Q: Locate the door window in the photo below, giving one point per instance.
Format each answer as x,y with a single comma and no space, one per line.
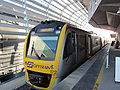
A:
69,45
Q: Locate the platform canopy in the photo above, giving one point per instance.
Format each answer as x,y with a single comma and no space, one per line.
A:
107,15
25,14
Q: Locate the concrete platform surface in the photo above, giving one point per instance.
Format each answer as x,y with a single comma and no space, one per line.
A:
108,77
84,78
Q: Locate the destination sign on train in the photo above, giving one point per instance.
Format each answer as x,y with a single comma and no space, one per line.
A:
46,30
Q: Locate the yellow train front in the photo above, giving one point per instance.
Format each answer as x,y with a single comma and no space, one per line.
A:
54,49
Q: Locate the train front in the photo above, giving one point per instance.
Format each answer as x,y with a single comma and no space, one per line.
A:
42,54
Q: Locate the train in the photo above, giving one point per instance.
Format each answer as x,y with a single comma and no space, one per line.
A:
53,49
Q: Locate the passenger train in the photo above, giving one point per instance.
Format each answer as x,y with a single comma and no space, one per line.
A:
53,49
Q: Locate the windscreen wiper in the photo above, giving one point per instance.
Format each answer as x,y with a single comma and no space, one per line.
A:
36,54
33,49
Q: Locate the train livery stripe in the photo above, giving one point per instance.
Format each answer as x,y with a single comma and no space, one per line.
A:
25,44
59,47
60,44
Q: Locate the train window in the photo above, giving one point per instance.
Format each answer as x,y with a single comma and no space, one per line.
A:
69,45
89,45
81,47
42,47
81,42
96,41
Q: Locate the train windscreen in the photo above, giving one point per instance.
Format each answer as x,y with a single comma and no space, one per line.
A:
42,47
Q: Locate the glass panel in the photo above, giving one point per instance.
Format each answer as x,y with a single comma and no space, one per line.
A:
42,47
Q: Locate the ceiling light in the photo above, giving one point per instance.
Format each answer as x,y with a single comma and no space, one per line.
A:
118,11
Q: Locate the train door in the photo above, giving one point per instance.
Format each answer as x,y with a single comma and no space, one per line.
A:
81,51
69,54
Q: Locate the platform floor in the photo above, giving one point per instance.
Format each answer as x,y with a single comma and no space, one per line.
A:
108,77
98,76
88,81
13,84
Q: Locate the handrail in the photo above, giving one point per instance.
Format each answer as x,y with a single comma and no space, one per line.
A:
11,66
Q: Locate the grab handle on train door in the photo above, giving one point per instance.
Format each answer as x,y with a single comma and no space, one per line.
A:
67,58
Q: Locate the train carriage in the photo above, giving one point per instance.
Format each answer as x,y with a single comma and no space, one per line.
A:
53,49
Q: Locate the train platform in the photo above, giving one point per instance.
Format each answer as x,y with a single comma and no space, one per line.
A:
108,78
96,74
85,77
13,83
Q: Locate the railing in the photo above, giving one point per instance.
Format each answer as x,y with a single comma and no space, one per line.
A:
13,68
10,72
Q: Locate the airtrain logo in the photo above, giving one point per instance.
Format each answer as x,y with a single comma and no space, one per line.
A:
32,65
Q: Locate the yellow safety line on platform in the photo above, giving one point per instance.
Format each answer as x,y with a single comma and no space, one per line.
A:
12,83
97,84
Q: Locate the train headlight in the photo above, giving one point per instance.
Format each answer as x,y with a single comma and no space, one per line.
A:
52,66
57,32
30,64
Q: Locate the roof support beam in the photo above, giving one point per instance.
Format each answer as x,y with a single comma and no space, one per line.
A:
111,4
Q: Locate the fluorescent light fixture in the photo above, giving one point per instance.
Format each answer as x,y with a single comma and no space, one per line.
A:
118,11
0,5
